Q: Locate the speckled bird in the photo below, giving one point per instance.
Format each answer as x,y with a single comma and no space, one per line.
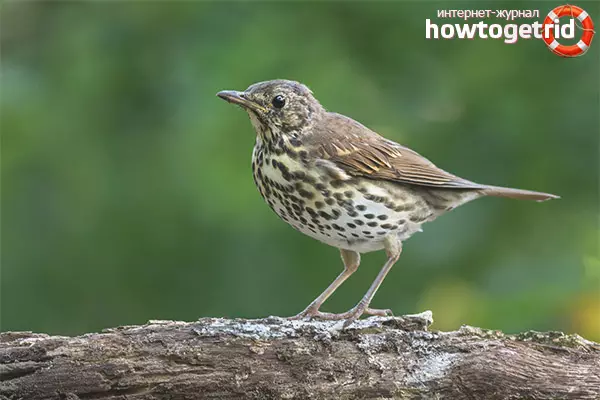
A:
339,182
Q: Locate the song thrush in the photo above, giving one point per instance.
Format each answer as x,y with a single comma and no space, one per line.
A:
339,182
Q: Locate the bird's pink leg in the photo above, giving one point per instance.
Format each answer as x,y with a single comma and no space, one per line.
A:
351,261
393,248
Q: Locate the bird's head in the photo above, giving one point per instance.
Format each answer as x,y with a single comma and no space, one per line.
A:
277,108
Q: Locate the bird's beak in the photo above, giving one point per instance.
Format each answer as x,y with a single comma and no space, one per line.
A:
235,97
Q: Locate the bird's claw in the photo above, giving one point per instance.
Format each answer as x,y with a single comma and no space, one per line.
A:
350,316
385,312
309,312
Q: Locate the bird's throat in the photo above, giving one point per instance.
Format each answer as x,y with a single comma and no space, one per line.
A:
262,129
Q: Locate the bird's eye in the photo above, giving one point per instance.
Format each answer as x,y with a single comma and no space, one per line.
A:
278,101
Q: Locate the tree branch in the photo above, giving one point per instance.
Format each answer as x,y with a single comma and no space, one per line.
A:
276,358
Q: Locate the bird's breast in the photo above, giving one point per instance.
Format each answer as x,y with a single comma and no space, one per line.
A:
354,214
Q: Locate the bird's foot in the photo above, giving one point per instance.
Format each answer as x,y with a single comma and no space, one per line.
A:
350,316
309,312
381,312
360,310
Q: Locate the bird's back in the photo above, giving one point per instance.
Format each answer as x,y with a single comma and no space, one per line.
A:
359,151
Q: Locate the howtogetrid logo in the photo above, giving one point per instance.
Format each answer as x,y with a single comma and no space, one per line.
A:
550,31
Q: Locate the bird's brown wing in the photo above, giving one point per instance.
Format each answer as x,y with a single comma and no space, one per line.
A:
359,151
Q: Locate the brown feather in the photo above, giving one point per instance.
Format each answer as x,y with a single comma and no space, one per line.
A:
359,151
497,191
362,152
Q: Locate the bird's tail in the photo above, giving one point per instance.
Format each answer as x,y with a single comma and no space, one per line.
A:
511,193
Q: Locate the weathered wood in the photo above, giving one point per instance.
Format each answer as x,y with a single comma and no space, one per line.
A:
276,358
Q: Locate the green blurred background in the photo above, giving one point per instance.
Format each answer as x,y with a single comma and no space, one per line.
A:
127,193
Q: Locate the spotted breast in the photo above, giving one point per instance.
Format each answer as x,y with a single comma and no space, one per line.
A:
319,200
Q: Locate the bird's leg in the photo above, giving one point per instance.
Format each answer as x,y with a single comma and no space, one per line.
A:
393,248
351,261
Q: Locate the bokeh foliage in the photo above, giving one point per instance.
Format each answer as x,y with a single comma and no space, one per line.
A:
127,192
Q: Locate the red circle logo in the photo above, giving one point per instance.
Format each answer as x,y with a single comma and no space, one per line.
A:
587,26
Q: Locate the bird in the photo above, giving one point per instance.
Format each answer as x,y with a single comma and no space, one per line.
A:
339,182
